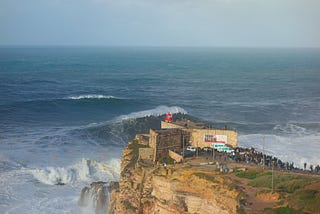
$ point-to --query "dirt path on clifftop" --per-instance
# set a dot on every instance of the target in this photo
(253, 204)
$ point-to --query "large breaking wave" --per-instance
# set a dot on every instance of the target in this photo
(121, 129)
(116, 132)
(158, 111)
(85, 170)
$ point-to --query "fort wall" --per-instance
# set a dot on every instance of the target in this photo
(198, 135)
(178, 158)
(165, 125)
(164, 140)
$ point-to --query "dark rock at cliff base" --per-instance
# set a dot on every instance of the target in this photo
(113, 191)
(94, 199)
(113, 186)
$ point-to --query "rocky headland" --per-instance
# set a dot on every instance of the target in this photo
(178, 188)
(199, 185)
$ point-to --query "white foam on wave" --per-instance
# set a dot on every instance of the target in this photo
(290, 128)
(90, 96)
(19, 191)
(160, 110)
(246, 104)
(299, 149)
(86, 170)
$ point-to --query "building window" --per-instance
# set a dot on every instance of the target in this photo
(210, 138)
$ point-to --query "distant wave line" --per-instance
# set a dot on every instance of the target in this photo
(79, 97)
(91, 96)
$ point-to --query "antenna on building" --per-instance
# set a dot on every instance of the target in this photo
(263, 155)
(183, 145)
(272, 181)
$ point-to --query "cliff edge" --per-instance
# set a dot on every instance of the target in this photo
(176, 188)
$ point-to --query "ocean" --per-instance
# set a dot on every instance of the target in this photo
(66, 113)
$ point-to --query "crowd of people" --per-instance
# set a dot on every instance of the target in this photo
(252, 156)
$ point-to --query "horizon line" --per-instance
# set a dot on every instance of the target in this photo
(151, 46)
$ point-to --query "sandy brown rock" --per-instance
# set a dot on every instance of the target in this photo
(271, 197)
(177, 189)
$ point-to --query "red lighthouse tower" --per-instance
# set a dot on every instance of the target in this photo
(168, 118)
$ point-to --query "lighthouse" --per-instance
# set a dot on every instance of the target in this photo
(168, 118)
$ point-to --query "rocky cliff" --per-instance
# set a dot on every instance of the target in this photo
(179, 188)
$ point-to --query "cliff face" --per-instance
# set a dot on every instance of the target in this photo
(177, 189)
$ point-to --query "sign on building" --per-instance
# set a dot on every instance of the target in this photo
(221, 147)
(211, 138)
(218, 145)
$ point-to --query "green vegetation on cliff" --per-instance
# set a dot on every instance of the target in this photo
(135, 145)
(300, 193)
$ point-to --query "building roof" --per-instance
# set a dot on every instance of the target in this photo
(191, 124)
(197, 125)
(166, 131)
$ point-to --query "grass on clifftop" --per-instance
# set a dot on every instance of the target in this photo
(281, 210)
(306, 200)
(287, 183)
(252, 174)
(300, 192)
(217, 179)
(135, 146)
(205, 176)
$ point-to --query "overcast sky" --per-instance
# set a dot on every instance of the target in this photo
(249, 23)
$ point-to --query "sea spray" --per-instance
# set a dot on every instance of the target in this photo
(94, 199)
(84, 171)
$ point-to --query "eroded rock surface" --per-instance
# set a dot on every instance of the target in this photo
(175, 189)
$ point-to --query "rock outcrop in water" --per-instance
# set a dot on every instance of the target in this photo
(94, 199)
(179, 189)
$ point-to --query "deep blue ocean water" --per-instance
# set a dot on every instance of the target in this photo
(66, 112)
